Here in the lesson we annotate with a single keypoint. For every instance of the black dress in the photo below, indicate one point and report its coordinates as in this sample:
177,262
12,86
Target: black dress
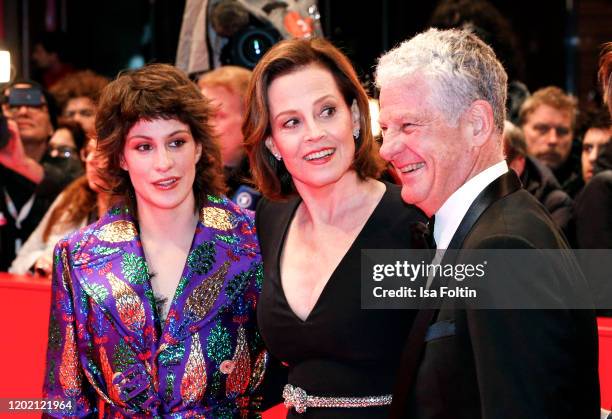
339,350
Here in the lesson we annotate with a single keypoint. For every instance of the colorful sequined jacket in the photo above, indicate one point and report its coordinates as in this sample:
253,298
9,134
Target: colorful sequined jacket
109,355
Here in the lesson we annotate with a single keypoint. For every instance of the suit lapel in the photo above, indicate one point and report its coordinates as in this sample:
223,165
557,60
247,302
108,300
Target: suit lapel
499,188
411,355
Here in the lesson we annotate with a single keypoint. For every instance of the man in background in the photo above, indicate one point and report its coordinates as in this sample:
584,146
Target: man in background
548,119
50,58
77,96
596,127
536,178
30,179
226,87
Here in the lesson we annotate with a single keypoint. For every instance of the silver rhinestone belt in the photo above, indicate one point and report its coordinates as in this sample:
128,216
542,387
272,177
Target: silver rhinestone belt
298,399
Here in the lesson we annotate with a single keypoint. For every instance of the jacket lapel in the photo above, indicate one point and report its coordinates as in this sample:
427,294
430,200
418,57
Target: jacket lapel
499,188
218,240
111,268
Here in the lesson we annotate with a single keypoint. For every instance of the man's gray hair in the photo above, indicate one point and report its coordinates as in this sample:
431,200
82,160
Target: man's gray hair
459,68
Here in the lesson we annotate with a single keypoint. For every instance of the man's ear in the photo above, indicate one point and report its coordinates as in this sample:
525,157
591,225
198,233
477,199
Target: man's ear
481,122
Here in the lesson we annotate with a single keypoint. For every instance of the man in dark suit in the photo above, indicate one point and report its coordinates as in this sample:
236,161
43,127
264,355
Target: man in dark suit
442,115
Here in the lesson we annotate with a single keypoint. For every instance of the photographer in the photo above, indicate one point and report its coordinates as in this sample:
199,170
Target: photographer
30,179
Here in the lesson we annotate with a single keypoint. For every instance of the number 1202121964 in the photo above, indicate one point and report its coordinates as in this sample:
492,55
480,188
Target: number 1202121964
14,405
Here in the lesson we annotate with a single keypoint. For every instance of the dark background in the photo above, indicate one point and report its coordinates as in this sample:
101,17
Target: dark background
559,40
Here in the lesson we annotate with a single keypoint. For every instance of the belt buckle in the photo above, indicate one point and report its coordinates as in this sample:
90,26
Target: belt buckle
295,397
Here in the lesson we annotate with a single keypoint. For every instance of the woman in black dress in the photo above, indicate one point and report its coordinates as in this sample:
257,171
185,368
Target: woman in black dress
309,140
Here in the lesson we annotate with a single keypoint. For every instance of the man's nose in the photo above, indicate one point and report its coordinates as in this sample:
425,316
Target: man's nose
21,110
552,137
390,147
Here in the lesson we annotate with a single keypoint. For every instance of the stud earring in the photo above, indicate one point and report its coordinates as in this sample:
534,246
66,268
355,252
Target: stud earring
272,149
356,132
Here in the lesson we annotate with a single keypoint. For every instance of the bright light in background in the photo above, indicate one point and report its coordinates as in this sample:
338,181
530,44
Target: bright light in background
136,61
5,66
374,112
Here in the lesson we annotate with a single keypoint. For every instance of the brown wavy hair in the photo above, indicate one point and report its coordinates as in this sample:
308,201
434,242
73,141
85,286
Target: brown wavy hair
156,91
84,83
552,96
77,201
270,175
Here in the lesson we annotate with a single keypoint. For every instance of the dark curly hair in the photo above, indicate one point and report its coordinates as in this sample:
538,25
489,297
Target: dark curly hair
84,83
156,91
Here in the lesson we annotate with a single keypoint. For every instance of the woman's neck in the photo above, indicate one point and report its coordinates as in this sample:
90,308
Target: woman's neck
332,203
167,224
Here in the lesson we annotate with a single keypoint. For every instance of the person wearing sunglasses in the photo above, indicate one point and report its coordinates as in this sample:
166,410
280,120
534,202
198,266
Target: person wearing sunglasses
30,179
548,119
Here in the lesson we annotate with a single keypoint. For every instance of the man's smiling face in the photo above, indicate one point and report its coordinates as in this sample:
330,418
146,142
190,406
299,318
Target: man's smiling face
429,152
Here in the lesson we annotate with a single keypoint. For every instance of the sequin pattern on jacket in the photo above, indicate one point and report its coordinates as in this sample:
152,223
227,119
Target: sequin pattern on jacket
107,349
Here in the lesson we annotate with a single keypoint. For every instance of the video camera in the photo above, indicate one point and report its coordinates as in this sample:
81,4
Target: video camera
248,38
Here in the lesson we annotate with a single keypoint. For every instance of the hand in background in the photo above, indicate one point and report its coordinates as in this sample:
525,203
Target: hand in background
14,157
43,266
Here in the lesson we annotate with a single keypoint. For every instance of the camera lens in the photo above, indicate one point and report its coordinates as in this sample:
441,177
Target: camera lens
253,44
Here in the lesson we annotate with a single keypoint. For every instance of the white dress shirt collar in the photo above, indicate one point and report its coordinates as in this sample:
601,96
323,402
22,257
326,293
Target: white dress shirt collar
450,214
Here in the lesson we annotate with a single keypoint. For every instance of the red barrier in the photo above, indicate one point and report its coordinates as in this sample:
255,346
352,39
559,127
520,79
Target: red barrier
24,310
605,360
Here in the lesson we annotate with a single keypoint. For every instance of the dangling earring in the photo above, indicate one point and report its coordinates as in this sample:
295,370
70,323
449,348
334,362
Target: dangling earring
356,132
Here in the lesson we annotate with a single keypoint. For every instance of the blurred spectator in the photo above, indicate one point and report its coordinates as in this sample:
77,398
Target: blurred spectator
548,119
517,95
594,205
30,179
77,96
81,203
536,177
67,141
596,128
49,57
226,87
35,112
593,212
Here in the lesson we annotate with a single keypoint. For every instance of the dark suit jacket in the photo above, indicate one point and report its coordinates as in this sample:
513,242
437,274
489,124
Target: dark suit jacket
509,363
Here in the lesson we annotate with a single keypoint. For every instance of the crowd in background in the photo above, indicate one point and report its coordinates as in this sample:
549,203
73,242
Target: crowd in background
74,148
49,178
